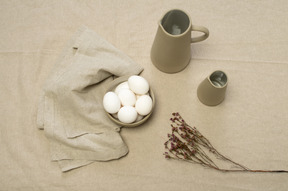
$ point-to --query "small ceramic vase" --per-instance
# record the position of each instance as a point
(211, 90)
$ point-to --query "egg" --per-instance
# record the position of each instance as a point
(139, 117)
(127, 97)
(138, 84)
(111, 102)
(138, 95)
(143, 105)
(127, 114)
(121, 86)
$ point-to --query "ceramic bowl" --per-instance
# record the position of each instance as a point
(112, 86)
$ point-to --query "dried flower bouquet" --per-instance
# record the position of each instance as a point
(186, 143)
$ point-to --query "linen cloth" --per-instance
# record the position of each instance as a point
(71, 110)
(248, 40)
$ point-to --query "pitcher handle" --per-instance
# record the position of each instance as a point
(200, 29)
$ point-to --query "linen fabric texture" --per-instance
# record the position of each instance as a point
(70, 109)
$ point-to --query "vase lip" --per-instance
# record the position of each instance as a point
(177, 35)
(221, 84)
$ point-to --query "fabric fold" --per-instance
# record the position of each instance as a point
(70, 108)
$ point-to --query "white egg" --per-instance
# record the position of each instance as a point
(111, 102)
(121, 86)
(127, 97)
(143, 105)
(138, 84)
(127, 114)
(139, 117)
(138, 95)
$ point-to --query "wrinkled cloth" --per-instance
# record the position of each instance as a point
(70, 109)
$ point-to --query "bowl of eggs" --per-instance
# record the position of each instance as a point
(129, 101)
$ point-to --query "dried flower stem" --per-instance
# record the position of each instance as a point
(186, 143)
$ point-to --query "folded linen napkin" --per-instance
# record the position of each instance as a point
(70, 109)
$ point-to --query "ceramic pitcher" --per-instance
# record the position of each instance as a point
(171, 49)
